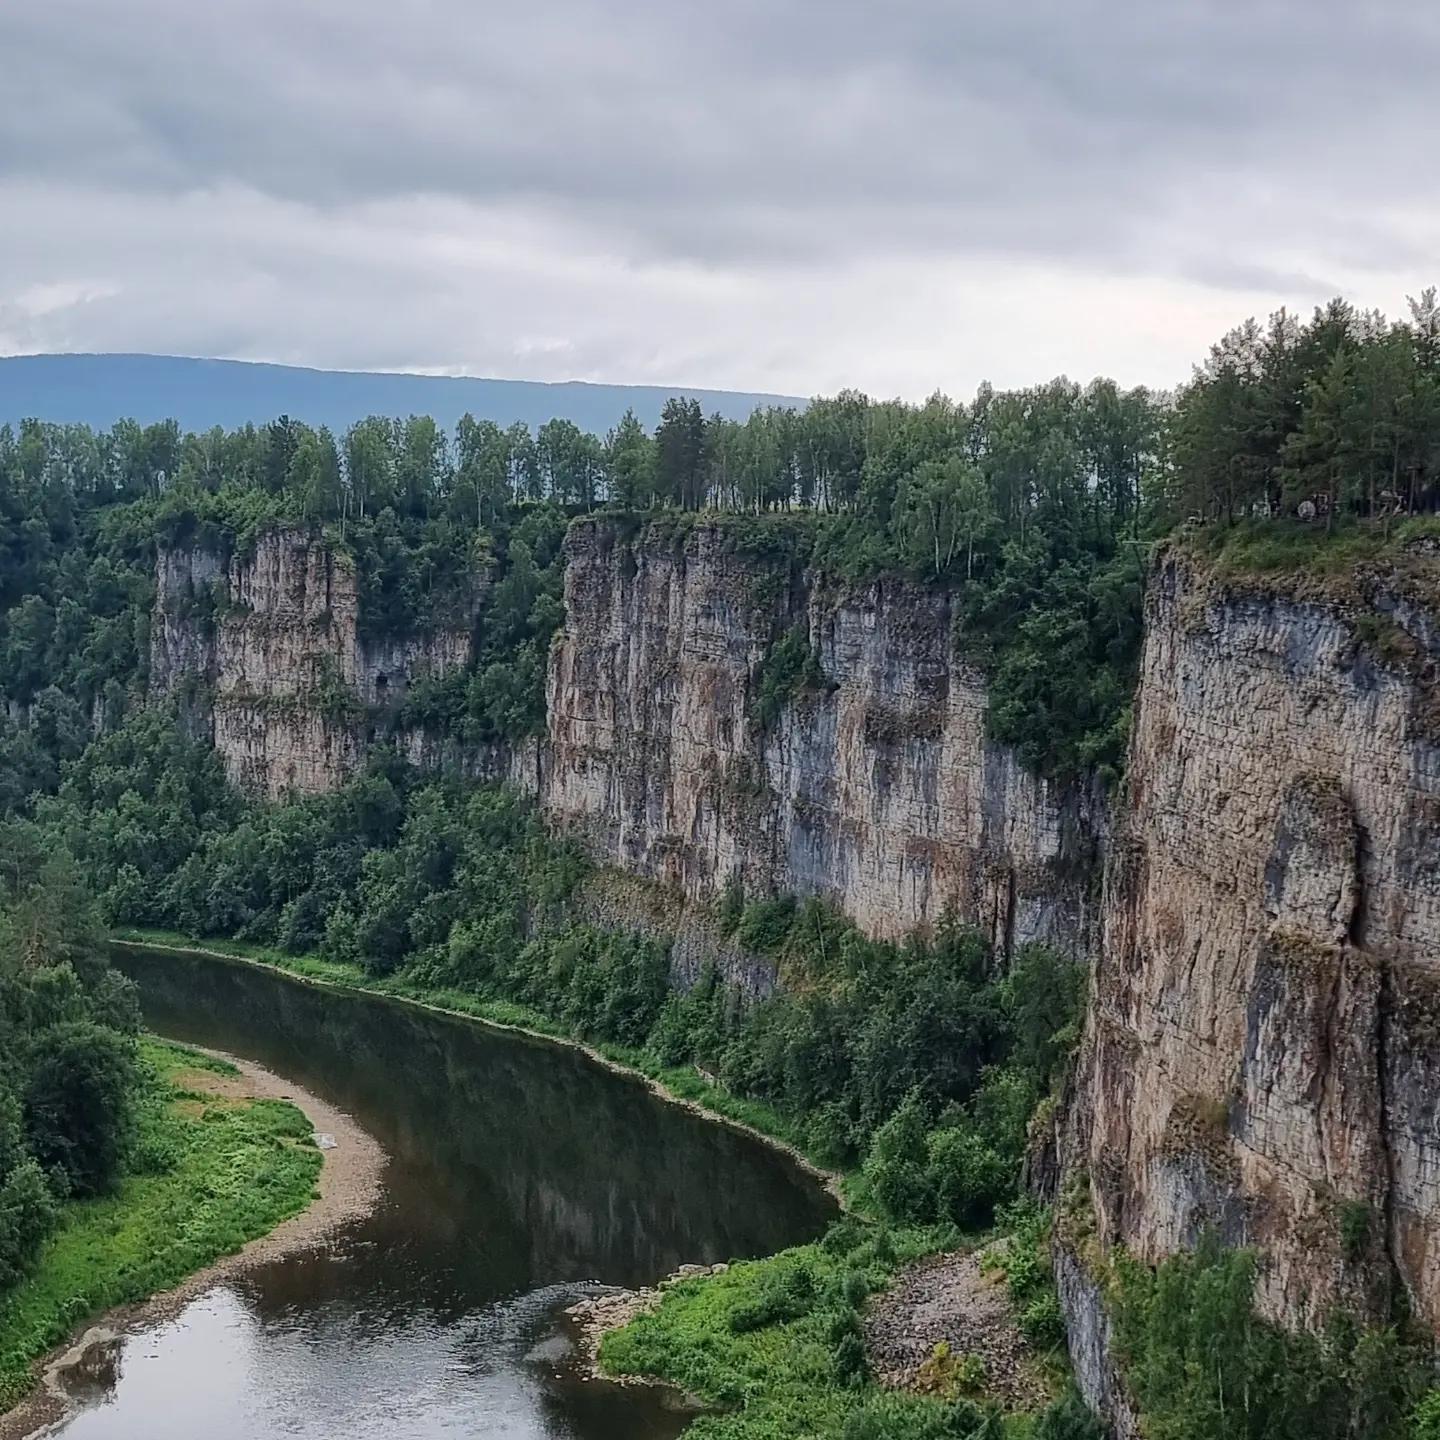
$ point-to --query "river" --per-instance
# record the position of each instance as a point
(520, 1175)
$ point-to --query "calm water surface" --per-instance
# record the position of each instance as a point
(520, 1176)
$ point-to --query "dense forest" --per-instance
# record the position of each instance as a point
(1034, 506)
(920, 1065)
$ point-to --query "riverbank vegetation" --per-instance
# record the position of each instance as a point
(113, 1184)
(202, 1175)
(920, 1063)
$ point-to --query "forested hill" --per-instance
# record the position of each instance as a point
(199, 394)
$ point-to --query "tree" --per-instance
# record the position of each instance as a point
(947, 507)
(482, 481)
(680, 454)
(630, 464)
(78, 1103)
(314, 476)
(896, 1168)
(1320, 456)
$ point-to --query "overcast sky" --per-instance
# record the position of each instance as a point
(771, 194)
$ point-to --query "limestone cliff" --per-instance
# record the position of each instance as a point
(1262, 1052)
(291, 682)
(1262, 1049)
(875, 787)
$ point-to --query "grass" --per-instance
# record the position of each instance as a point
(206, 1176)
(783, 1376)
(1284, 546)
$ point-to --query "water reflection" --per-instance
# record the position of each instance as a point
(519, 1175)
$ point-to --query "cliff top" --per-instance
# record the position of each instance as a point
(1361, 568)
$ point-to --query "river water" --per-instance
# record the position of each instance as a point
(520, 1176)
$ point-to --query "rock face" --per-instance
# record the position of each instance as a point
(1261, 1054)
(1261, 1050)
(875, 787)
(292, 680)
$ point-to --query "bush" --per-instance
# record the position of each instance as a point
(854, 1289)
(27, 1214)
(848, 1355)
(1068, 1418)
(900, 1417)
(1041, 1322)
(765, 924)
(965, 1177)
(1191, 1342)
(897, 1168)
(78, 1103)
(788, 1292)
(1425, 1417)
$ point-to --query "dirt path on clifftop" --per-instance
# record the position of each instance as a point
(349, 1186)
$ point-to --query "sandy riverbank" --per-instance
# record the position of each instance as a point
(349, 1187)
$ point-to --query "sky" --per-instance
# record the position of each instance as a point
(760, 194)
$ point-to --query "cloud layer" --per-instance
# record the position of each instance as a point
(791, 197)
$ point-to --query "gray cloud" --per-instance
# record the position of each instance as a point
(647, 186)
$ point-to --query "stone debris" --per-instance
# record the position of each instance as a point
(950, 1299)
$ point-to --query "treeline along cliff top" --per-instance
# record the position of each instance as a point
(1033, 505)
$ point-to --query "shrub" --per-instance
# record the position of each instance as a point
(897, 1168)
(854, 1289)
(1068, 1418)
(787, 1292)
(765, 924)
(965, 1177)
(1425, 1417)
(27, 1213)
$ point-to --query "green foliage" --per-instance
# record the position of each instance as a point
(903, 1417)
(896, 1168)
(765, 925)
(78, 1103)
(790, 668)
(67, 1071)
(1203, 1366)
(1357, 1227)
(775, 1343)
(1425, 1417)
(231, 1172)
(1024, 1259)
(786, 1292)
(1068, 1418)
(1341, 413)
(27, 1215)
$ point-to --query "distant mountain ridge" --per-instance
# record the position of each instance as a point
(98, 390)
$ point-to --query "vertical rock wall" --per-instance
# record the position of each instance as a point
(1262, 1052)
(877, 788)
(289, 675)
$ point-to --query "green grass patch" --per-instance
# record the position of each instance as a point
(203, 1180)
(1284, 546)
(768, 1344)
